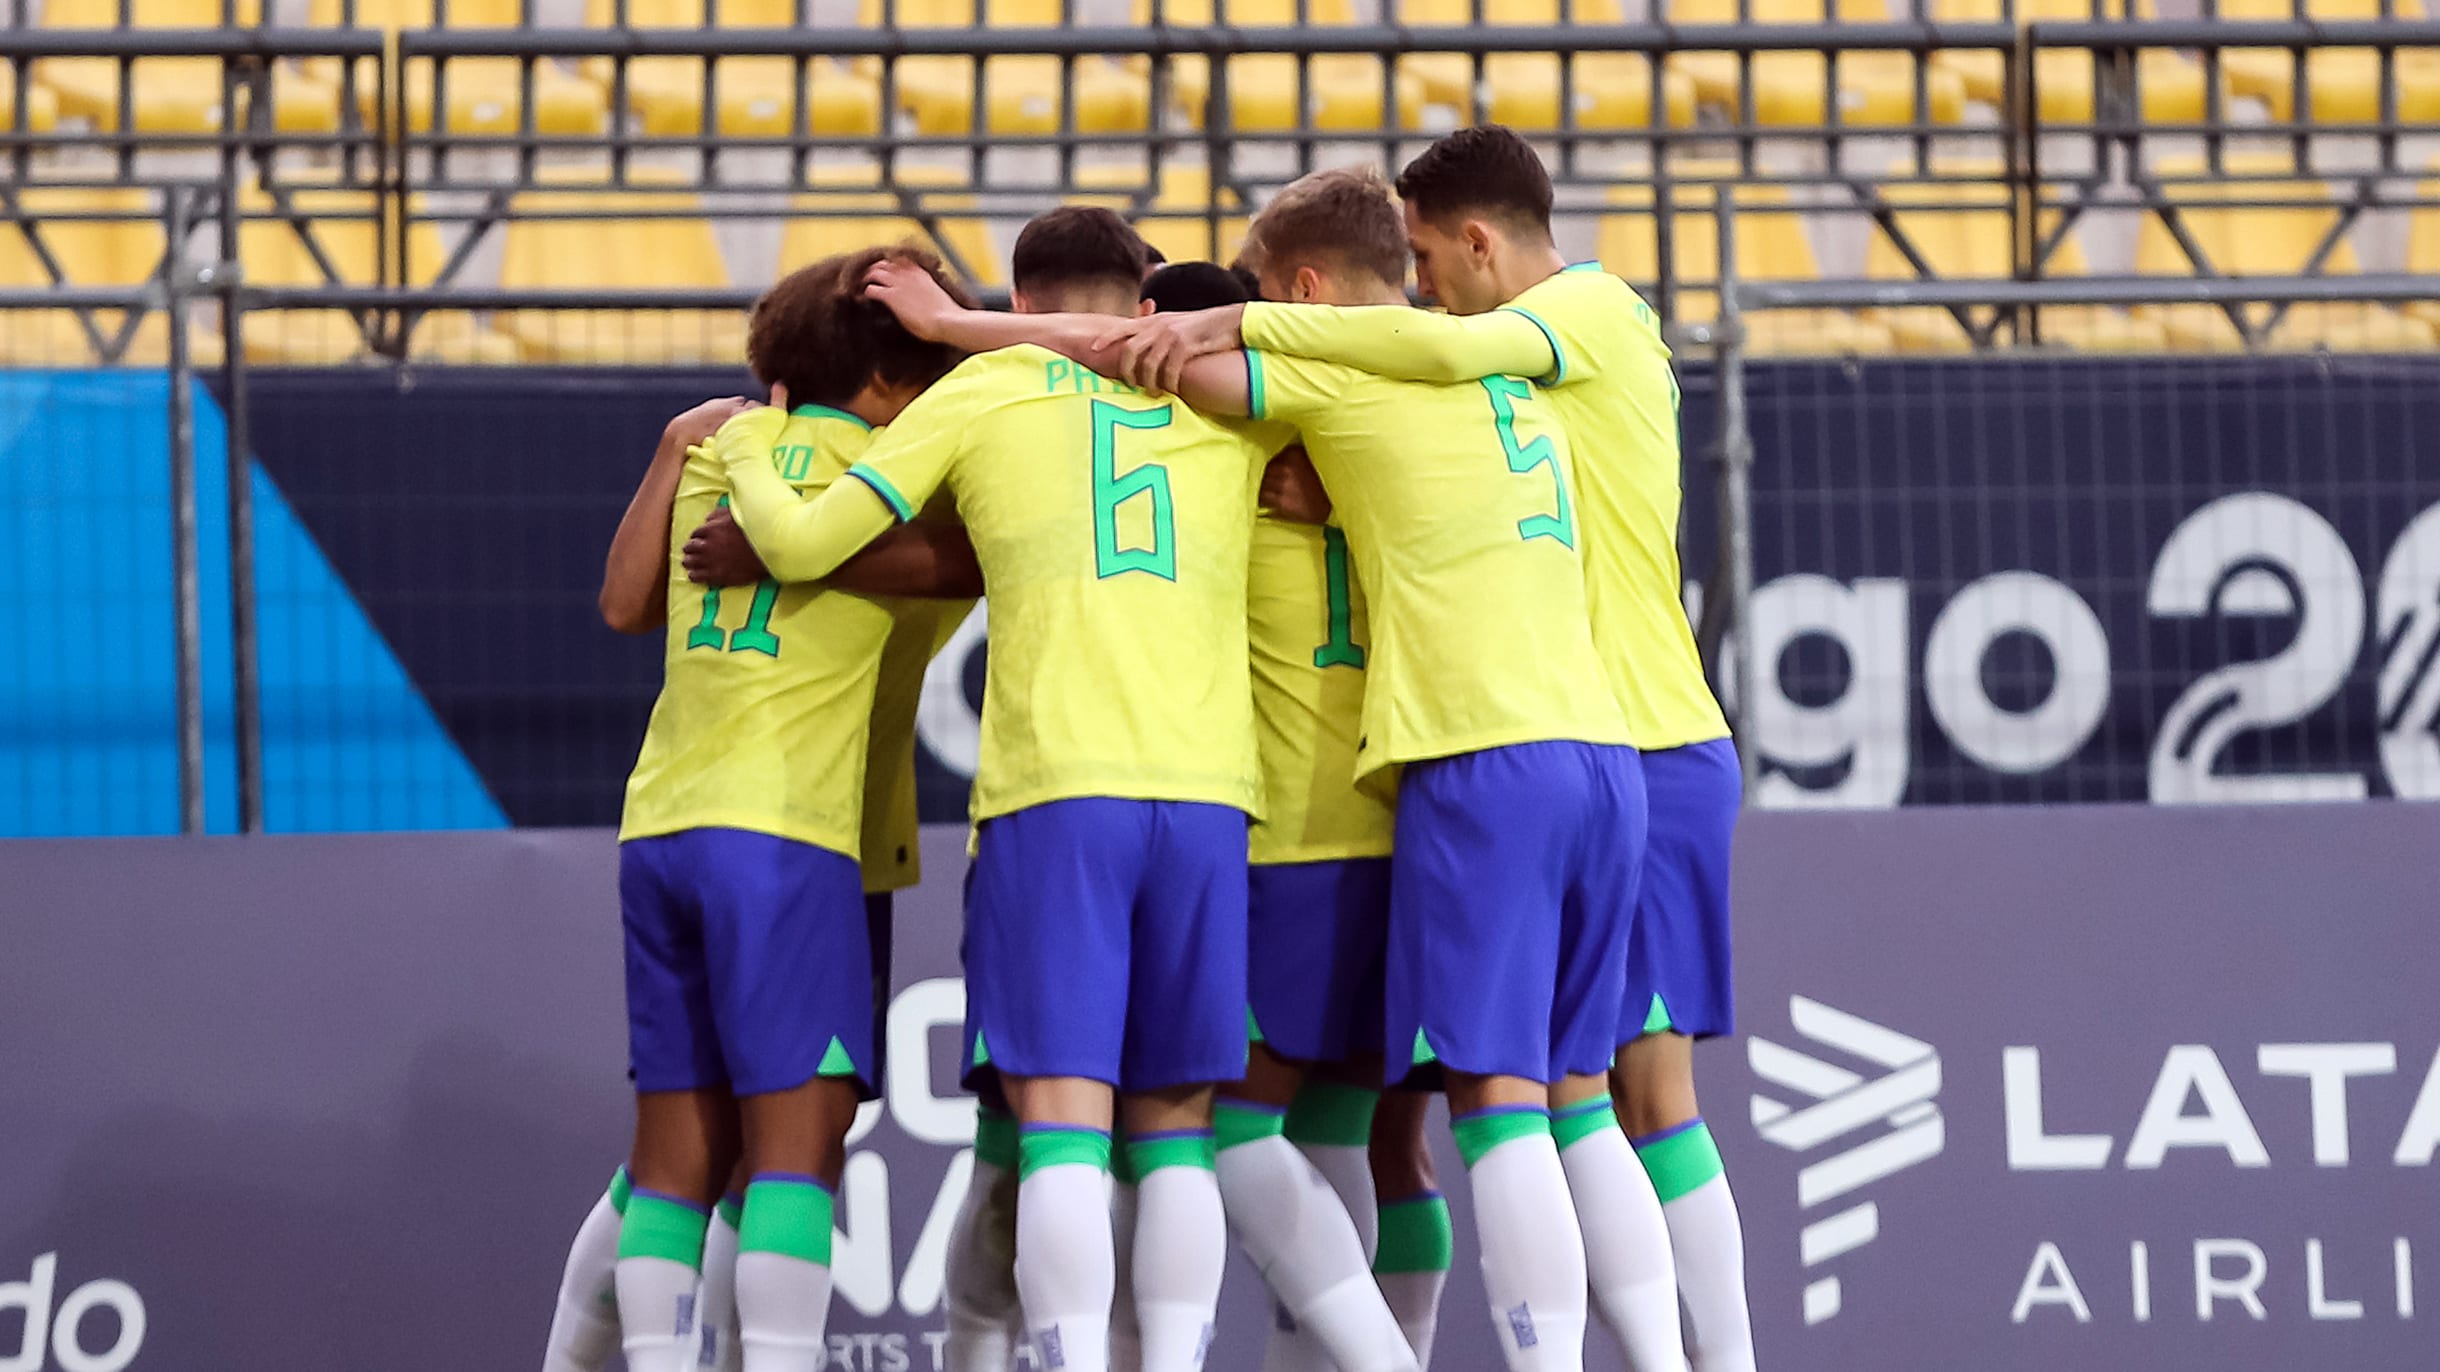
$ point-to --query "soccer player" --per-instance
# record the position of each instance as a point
(1519, 802)
(1106, 923)
(749, 970)
(1478, 212)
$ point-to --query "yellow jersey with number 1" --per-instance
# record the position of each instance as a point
(767, 691)
(1459, 511)
(1305, 624)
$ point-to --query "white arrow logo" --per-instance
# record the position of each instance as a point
(1837, 1102)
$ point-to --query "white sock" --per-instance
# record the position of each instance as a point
(1626, 1240)
(1414, 1299)
(1710, 1245)
(660, 1262)
(1181, 1248)
(716, 1299)
(1291, 1347)
(1533, 1253)
(1412, 1266)
(789, 1299)
(1065, 1264)
(584, 1327)
(1292, 1224)
(1349, 1172)
(981, 1275)
(1126, 1339)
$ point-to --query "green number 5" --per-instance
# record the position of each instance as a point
(1110, 491)
(1505, 392)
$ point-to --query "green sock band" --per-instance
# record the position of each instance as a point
(731, 1210)
(787, 1215)
(995, 1139)
(1332, 1114)
(1416, 1235)
(621, 1187)
(1487, 1129)
(1061, 1146)
(1583, 1120)
(1658, 1021)
(1149, 1153)
(1680, 1160)
(1234, 1123)
(658, 1227)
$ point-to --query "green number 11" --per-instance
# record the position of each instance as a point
(1505, 391)
(753, 636)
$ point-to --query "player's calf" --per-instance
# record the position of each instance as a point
(685, 1144)
(1626, 1240)
(795, 1148)
(1417, 1242)
(1655, 1090)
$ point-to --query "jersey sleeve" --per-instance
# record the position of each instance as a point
(796, 538)
(1410, 344)
(1292, 390)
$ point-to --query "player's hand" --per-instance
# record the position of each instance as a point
(1154, 350)
(717, 554)
(696, 427)
(1292, 490)
(914, 295)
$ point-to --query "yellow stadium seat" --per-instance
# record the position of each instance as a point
(2345, 82)
(2273, 239)
(89, 252)
(1023, 92)
(1612, 90)
(1790, 88)
(879, 216)
(485, 94)
(41, 103)
(173, 94)
(1973, 244)
(1343, 92)
(1771, 246)
(614, 253)
(273, 252)
(2423, 247)
(1175, 216)
(756, 95)
(2171, 83)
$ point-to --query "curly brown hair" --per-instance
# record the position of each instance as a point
(816, 333)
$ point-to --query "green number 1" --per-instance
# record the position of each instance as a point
(1505, 390)
(1341, 648)
(753, 636)
(1110, 490)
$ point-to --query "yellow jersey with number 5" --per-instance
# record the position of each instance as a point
(767, 691)
(1113, 531)
(1459, 509)
(1305, 624)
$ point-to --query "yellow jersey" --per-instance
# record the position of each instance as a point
(1305, 625)
(1458, 508)
(1597, 347)
(892, 824)
(767, 691)
(1113, 531)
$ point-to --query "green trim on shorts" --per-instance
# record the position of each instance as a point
(1146, 1156)
(1253, 1031)
(835, 1061)
(1657, 1021)
(1484, 1130)
(787, 1217)
(1683, 1162)
(621, 1187)
(1423, 1051)
(1235, 1124)
(1581, 1121)
(656, 1227)
(995, 1139)
(1062, 1146)
(1333, 1114)
(1416, 1235)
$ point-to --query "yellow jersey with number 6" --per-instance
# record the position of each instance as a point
(1305, 623)
(767, 691)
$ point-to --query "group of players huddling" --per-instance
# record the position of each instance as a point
(1342, 729)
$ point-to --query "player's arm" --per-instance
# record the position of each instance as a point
(807, 540)
(929, 313)
(1407, 344)
(929, 559)
(634, 595)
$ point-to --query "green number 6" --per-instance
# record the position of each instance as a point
(1561, 525)
(1110, 490)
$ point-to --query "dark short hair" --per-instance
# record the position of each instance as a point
(1343, 216)
(1077, 244)
(1486, 171)
(1194, 286)
(816, 333)
(1243, 270)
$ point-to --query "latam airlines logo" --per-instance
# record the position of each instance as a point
(1865, 1127)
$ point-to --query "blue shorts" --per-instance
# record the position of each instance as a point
(1318, 935)
(880, 923)
(1680, 947)
(1511, 903)
(749, 963)
(1106, 939)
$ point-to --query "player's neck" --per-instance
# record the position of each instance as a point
(1525, 266)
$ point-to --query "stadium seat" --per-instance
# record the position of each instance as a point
(122, 251)
(611, 253)
(1342, 93)
(2423, 246)
(1771, 246)
(2171, 84)
(756, 95)
(1023, 93)
(274, 252)
(2274, 239)
(1790, 88)
(873, 215)
(173, 94)
(2345, 83)
(1179, 222)
(486, 95)
(1968, 238)
(41, 103)
(1612, 90)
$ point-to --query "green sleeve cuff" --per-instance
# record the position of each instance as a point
(1254, 404)
(881, 487)
(1558, 359)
